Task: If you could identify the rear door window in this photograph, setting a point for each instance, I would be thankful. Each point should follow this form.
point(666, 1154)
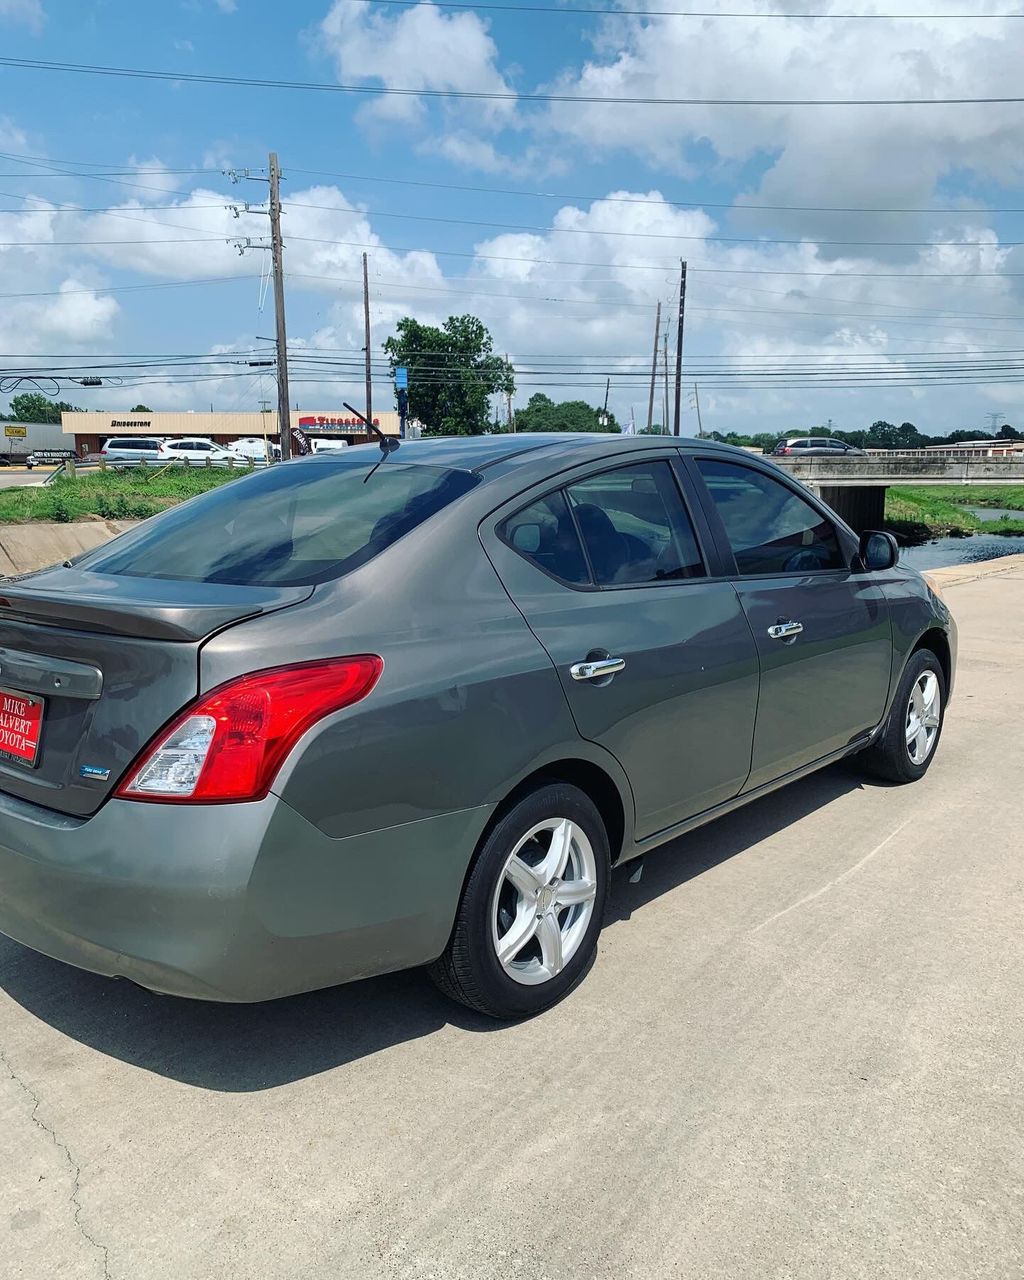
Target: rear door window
point(293, 525)
point(544, 533)
point(635, 527)
point(770, 528)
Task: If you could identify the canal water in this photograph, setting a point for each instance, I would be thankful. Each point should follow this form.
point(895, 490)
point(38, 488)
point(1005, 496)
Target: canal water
point(988, 515)
point(950, 551)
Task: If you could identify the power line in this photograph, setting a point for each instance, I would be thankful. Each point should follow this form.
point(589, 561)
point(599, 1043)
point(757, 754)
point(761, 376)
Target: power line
point(799, 308)
point(635, 235)
point(569, 11)
point(642, 200)
point(138, 73)
point(128, 288)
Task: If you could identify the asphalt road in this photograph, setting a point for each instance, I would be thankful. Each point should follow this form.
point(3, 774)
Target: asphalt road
point(798, 1056)
point(12, 478)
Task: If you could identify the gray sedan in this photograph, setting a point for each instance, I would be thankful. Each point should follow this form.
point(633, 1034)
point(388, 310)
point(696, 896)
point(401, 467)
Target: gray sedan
point(365, 711)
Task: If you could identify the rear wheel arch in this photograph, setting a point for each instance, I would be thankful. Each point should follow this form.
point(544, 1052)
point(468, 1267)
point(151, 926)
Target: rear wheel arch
point(596, 783)
point(590, 778)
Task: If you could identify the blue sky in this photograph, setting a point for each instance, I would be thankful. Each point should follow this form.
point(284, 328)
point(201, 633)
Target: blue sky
point(928, 312)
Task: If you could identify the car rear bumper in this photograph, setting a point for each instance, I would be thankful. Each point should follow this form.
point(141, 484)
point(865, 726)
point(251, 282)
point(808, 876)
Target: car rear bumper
point(237, 903)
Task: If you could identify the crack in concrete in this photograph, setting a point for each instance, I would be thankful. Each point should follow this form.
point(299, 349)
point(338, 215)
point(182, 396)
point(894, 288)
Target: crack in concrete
point(74, 1167)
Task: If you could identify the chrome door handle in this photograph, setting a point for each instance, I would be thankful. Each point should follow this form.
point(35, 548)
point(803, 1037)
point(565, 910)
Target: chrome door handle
point(595, 670)
point(785, 630)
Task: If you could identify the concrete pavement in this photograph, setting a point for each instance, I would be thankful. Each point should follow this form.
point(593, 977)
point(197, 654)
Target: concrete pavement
point(798, 1056)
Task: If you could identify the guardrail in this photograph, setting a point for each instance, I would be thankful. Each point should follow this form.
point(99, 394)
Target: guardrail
point(242, 465)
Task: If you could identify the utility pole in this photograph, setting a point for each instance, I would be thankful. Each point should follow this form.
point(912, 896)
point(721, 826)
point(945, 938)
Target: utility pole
point(665, 370)
point(366, 324)
point(508, 395)
point(654, 369)
point(679, 343)
point(696, 401)
point(607, 388)
point(284, 417)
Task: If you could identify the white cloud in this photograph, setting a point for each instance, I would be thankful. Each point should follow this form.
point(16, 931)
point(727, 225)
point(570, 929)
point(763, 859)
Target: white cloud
point(27, 12)
point(418, 48)
point(828, 155)
point(227, 6)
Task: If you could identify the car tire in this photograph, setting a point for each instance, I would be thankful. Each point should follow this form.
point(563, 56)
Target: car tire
point(532, 908)
point(907, 744)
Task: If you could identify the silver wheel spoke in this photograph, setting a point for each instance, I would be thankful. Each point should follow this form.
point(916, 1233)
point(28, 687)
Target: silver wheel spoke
point(549, 935)
point(931, 720)
point(524, 878)
point(557, 857)
point(921, 744)
point(523, 929)
point(571, 893)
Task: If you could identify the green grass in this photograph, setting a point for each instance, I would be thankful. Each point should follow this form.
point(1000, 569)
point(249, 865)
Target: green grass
point(112, 495)
point(921, 512)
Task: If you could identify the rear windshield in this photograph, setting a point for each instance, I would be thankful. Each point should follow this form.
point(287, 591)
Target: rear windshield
point(292, 525)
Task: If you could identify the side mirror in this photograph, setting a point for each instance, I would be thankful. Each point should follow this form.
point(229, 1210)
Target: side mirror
point(877, 550)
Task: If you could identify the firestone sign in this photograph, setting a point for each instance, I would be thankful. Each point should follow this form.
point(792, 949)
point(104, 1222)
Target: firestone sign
point(322, 420)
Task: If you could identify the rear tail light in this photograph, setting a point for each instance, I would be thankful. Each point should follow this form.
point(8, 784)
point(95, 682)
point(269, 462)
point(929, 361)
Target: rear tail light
point(230, 743)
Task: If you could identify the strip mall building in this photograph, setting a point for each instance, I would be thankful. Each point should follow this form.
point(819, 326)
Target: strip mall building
point(89, 430)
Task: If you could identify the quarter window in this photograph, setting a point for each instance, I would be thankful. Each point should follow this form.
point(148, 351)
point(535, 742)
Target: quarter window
point(770, 528)
point(544, 534)
point(635, 527)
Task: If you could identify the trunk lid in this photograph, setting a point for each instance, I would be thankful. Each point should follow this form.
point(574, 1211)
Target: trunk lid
point(112, 658)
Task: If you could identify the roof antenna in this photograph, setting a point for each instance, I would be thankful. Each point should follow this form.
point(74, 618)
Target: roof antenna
point(388, 444)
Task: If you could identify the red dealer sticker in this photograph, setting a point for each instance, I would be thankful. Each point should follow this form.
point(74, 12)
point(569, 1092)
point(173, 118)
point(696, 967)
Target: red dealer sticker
point(21, 723)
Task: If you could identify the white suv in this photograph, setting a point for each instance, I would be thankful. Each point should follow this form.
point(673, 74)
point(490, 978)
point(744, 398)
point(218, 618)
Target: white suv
point(196, 449)
point(131, 449)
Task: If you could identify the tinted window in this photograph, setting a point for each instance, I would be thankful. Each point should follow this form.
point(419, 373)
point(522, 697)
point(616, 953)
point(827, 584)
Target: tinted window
point(770, 528)
point(301, 523)
point(634, 526)
point(544, 534)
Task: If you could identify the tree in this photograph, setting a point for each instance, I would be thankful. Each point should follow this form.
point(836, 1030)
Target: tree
point(142, 408)
point(30, 406)
point(1006, 432)
point(542, 414)
point(453, 372)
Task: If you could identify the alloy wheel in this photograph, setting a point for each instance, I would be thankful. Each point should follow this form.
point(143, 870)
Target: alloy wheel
point(544, 901)
point(923, 716)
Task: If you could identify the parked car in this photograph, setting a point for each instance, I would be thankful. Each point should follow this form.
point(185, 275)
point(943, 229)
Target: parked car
point(195, 449)
point(816, 447)
point(366, 711)
point(254, 449)
point(131, 449)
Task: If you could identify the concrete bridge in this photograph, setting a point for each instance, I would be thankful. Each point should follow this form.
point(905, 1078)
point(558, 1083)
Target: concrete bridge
point(855, 487)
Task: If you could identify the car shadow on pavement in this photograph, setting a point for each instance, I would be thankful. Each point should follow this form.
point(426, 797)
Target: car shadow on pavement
point(246, 1048)
point(691, 855)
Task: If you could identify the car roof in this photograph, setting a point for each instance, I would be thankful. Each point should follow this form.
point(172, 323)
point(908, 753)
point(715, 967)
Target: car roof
point(477, 453)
